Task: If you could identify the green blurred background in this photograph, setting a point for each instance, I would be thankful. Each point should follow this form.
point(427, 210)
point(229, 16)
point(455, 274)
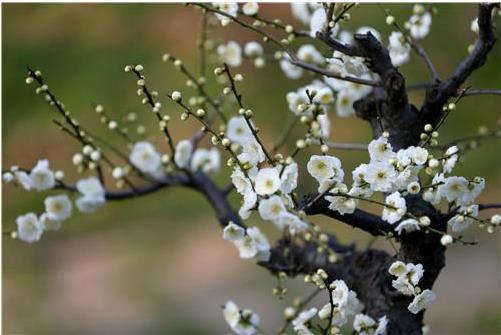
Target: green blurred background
point(158, 265)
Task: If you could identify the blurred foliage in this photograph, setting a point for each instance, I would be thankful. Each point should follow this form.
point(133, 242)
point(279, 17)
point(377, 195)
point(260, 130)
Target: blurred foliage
point(125, 269)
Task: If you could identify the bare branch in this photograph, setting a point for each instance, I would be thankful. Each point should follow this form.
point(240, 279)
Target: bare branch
point(482, 207)
point(360, 219)
point(481, 92)
point(477, 57)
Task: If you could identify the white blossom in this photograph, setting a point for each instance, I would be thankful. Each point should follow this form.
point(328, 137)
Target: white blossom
point(93, 195)
point(324, 168)
point(230, 53)
point(381, 327)
point(404, 286)
point(182, 156)
point(408, 226)
point(446, 239)
point(344, 103)
point(339, 315)
point(250, 200)
point(254, 245)
point(252, 152)
point(267, 181)
point(399, 49)
point(90, 186)
point(289, 178)
point(253, 49)
point(325, 126)
point(89, 204)
point(230, 8)
point(233, 232)
point(290, 70)
point(317, 22)
point(422, 301)
point(8, 177)
point(496, 219)
point(420, 25)
point(364, 324)
point(380, 150)
point(299, 323)
point(58, 208)
point(408, 276)
point(474, 25)
point(464, 218)
point(324, 96)
point(308, 53)
point(49, 224)
point(301, 12)
point(414, 272)
point(242, 184)
point(23, 179)
point(271, 208)
point(206, 160)
point(242, 322)
point(42, 177)
point(398, 269)
point(29, 228)
point(340, 293)
point(250, 8)
point(231, 313)
point(451, 159)
point(342, 204)
point(381, 176)
point(292, 222)
point(395, 208)
point(454, 188)
point(434, 194)
point(145, 157)
point(407, 176)
point(237, 130)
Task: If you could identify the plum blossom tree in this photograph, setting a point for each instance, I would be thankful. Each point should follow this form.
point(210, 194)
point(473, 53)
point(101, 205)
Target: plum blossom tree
point(409, 174)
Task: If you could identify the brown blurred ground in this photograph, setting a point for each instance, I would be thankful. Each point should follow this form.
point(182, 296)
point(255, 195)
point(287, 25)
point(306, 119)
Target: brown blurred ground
point(158, 264)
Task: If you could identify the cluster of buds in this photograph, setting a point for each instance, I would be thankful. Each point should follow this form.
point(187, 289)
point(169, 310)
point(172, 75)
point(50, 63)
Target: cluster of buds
point(89, 158)
point(318, 278)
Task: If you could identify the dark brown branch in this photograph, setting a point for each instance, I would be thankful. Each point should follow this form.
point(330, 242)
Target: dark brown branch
point(482, 207)
point(438, 95)
point(482, 92)
point(360, 219)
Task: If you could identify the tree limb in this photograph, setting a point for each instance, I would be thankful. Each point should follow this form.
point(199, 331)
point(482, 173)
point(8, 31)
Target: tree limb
point(360, 219)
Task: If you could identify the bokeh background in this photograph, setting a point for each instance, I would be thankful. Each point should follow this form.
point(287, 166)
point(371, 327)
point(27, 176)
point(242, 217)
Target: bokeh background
point(158, 265)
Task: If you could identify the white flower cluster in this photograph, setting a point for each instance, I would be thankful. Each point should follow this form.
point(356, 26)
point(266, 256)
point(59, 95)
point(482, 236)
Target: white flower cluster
point(365, 325)
point(266, 189)
point(314, 16)
point(251, 243)
point(230, 53)
point(399, 48)
point(345, 301)
point(93, 195)
point(58, 208)
point(408, 276)
point(41, 177)
point(342, 307)
point(253, 50)
point(419, 23)
point(145, 157)
point(241, 321)
point(231, 8)
point(30, 227)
